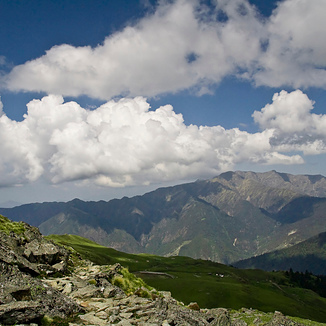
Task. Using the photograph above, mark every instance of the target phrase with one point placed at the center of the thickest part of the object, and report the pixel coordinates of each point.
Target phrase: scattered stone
(91, 319)
(280, 319)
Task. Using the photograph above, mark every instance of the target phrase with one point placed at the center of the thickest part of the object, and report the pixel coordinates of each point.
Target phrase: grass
(209, 284)
(7, 226)
(131, 284)
(250, 316)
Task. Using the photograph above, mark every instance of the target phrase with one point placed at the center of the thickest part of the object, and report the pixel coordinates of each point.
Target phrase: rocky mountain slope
(72, 291)
(24, 254)
(234, 216)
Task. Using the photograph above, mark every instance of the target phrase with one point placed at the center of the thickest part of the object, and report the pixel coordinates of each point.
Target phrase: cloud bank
(295, 127)
(187, 45)
(125, 143)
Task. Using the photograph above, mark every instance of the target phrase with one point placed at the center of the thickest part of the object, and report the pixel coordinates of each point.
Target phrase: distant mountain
(309, 255)
(234, 216)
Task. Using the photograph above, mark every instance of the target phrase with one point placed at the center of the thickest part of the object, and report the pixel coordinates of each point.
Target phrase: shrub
(131, 284)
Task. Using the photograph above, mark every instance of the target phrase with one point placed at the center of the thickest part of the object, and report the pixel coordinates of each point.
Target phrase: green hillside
(309, 255)
(208, 283)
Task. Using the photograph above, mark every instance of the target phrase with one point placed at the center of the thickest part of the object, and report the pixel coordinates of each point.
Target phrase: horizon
(12, 204)
(105, 100)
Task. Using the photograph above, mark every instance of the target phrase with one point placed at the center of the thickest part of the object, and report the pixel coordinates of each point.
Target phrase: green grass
(131, 284)
(7, 226)
(202, 281)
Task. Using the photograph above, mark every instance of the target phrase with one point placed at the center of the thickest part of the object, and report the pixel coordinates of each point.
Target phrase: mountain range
(308, 255)
(234, 216)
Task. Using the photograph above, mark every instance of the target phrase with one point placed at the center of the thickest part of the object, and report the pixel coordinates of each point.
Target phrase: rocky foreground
(45, 284)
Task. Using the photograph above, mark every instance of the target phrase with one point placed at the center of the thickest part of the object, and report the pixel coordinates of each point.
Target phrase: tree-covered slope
(309, 255)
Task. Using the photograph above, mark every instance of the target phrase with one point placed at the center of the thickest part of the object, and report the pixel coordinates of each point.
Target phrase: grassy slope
(201, 281)
(307, 255)
(8, 226)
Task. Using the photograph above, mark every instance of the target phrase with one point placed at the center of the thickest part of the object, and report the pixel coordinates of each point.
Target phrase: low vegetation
(131, 284)
(209, 284)
(8, 226)
(256, 317)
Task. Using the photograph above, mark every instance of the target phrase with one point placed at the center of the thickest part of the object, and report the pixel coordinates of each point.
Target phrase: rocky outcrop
(31, 253)
(25, 299)
(24, 254)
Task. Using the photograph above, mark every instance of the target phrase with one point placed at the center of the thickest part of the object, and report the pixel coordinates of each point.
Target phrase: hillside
(208, 283)
(43, 283)
(309, 255)
(234, 216)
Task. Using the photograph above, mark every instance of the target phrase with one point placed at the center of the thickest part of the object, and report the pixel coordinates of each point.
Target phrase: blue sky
(126, 96)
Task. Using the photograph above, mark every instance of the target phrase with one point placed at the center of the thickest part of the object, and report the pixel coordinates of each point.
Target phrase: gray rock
(88, 291)
(280, 319)
(31, 253)
(90, 319)
(221, 316)
(20, 311)
(25, 298)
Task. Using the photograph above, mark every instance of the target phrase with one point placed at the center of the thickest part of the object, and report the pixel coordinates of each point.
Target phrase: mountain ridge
(308, 255)
(233, 216)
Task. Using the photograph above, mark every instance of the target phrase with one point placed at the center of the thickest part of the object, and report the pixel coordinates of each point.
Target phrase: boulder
(31, 252)
(24, 299)
(21, 312)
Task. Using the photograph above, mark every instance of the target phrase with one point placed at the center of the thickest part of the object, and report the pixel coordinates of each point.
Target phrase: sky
(105, 99)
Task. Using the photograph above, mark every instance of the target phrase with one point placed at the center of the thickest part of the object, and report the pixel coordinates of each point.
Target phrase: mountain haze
(233, 216)
(309, 255)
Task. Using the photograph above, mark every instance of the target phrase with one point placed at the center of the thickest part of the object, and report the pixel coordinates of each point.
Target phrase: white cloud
(289, 113)
(152, 57)
(124, 143)
(295, 127)
(149, 58)
(296, 54)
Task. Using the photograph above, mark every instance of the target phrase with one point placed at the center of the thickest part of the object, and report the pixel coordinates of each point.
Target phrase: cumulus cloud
(295, 55)
(295, 127)
(126, 143)
(187, 45)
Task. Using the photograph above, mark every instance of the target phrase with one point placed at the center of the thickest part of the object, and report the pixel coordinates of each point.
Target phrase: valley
(232, 217)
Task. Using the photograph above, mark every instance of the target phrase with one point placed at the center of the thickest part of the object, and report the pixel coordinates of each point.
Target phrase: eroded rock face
(24, 299)
(31, 253)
